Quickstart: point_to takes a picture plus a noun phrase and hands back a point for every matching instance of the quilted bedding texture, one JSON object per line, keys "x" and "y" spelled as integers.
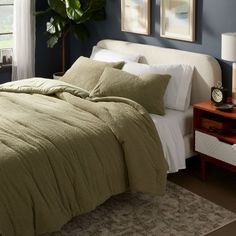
{"x": 62, "y": 154}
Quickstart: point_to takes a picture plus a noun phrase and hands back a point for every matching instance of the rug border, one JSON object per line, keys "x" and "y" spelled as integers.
{"x": 219, "y": 227}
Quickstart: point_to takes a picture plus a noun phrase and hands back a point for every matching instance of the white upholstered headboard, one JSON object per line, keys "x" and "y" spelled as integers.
{"x": 207, "y": 70}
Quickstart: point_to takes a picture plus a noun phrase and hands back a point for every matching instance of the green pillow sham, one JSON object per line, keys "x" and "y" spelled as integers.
{"x": 86, "y": 72}
{"x": 147, "y": 90}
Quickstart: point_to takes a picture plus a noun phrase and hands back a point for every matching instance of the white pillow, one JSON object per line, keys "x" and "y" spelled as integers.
{"x": 178, "y": 92}
{"x": 102, "y": 54}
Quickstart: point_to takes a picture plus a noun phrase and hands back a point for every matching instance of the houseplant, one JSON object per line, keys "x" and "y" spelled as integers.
{"x": 67, "y": 16}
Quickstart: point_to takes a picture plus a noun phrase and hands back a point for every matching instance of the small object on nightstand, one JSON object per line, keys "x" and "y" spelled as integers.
{"x": 219, "y": 94}
{"x": 225, "y": 107}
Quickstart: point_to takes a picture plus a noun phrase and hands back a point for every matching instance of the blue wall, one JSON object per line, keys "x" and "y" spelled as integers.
{"x": 48, "y": 60}
{"x": 212, "y": 18}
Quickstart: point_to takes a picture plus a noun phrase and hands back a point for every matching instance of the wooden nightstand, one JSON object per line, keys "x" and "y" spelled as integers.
{"x": 213, "y": 145}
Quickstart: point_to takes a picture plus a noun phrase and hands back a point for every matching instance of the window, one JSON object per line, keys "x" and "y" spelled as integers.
{"x": 6, "y": 28}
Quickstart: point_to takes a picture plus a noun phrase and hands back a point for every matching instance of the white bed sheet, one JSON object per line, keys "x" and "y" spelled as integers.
{"x": 172, "y": 127}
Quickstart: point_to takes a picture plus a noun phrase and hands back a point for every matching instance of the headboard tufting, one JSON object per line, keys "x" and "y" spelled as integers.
{"x": 207, "y": 70}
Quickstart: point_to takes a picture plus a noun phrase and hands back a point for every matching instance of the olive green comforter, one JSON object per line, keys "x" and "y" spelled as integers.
{"x": 62, "y": 155}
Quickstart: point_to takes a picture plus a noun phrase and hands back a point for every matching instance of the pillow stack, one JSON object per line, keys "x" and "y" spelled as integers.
{"x": 145, "y": 84}
{"x": 178, "y": 92}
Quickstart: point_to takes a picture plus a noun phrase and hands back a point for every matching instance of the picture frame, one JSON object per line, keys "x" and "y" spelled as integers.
{"x": 135, "y": 16}
{"x": 177, "y": 19}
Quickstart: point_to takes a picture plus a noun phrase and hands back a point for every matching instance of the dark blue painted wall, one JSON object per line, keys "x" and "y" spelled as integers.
{"x": 47, "y": 60}
{"x": 212, "y": 18}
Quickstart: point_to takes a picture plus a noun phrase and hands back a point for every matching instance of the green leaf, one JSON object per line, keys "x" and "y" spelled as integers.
{"x": 56, "y": 24}
{"x": 50, "y": 28}
{"x": 81, "y": 32}
{"x": 85, "y": 17}
{"x": 74, "y": 10}
{"x": 58, "y": 6}
{"x": 52, "y": 41}
{"x": 95, "y": 10}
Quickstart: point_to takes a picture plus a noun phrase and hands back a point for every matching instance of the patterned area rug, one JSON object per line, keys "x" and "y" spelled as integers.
{"x": 179, "y": 212}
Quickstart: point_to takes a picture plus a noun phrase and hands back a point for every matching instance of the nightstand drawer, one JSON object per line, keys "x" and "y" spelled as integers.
{"x": 213, "y": 147}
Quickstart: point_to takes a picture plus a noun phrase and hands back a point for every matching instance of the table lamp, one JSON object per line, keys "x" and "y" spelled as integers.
{"x": 228, "y": 53}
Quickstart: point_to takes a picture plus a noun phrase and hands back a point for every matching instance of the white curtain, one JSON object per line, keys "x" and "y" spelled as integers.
{"x": 23, "y": 65}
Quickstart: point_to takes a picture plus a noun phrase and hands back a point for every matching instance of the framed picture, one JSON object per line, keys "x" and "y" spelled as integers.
{"x": 178, "y": 19}
{"x": 135, "y": 16}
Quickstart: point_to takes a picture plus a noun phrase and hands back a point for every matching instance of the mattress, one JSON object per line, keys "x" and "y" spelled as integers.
{"x": 173, "y": 128}
{"x": 183, "y": 119}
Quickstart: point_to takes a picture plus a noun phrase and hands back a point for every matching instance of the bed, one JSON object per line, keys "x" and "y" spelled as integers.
{"x": 207, "y": 73}
{"x": 63, "y": 154}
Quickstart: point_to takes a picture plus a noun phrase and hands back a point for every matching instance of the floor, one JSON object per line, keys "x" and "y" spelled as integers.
{"x": 219, "y": 187}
